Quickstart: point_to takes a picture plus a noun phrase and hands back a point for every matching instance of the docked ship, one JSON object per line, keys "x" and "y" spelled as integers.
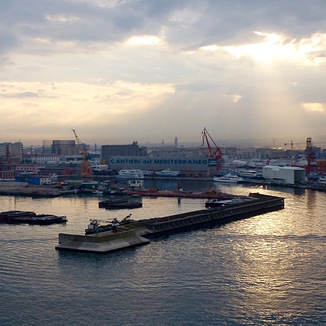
{"x": 168, "y": 173}
{"x": 322, "y": 180}
{"x": 228, "y": 178}
{"x": 130, "y": 174}
{"x": 250, "y": 174}
{"x": 119, "y": 204}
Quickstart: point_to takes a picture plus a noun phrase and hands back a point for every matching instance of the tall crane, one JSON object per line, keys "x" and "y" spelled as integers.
{"x": 85, "y": 167}
{"x": 214, "y": 152}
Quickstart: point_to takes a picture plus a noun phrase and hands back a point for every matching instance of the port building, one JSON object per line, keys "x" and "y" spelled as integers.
{"x": 284, "y": 175}
{"x": 191, "y": 166}
{"x": 190, "y": 162}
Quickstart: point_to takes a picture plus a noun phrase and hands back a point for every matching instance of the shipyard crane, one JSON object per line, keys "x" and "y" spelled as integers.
{"x": 310, "y": 151}
{"x": 291, "y": 143}
{"x": 85, "y": 167}
{"x": 214, "y": 152}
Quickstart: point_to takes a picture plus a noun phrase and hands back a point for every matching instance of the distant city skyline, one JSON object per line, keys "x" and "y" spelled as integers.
{"x": 119, "y": 71}
{"x": 223, "y": 143}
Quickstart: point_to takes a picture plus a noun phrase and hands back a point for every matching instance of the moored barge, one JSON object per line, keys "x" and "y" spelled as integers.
{"x": 27, "y": 217}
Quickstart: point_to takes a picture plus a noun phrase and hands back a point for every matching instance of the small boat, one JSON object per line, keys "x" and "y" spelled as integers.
{"x": 147, "y": 173}
{"x": 94, "y": 226}
{"x": 222, "y": 202}
{"x": 228, "y": 178}
{"x": 168, "y": 173}
{"x": 217, "y": 202}
{"x": 130, "y": 174}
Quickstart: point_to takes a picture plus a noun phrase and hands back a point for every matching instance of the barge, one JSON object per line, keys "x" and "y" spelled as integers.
{"x": 139, "y": 232}
{"x": 119, "y": 204}
{"x": 27, "y": 217}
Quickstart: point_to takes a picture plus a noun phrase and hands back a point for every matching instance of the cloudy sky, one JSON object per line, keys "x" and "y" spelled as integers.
{"x": 148, "y": 70}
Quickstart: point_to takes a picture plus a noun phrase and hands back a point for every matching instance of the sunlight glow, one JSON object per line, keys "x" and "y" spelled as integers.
{"x": 236, "y": 98}
{"x": 144, "y": 40}
{"x": 71, "y": 100}
{"x": 272, "y": 47}
{"x": 276, "y": 47}
{"x": 314, "y": 107}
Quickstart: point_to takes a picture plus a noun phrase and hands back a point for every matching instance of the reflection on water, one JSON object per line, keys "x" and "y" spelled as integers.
{"x": 268, "y": 269}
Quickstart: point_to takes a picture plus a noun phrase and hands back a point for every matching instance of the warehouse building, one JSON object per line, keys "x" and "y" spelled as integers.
{"x": 190, "y": 166}
{"x": 284, "y": 175}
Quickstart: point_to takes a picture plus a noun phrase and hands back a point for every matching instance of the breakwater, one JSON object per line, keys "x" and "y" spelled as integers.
{"x": 257, "y": 204}
{"x": 136, "y": 232}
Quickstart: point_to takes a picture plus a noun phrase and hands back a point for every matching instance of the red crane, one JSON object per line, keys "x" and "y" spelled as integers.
{"x": 214, "y": 152}
{"x": 85, "y": 167}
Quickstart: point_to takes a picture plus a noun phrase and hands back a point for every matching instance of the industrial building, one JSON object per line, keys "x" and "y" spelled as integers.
{"x": 284, "y": 175}
{"x": 60, "y": 147}
{"x": 191, "y": 166}
{"x": 108, "y": 151}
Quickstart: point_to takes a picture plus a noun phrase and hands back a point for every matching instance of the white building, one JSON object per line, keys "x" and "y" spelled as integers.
{"x": 286, "y": 174}
{"x": 46, "y": 159}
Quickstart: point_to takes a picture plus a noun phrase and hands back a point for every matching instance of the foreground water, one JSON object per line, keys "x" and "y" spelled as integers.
{"x": 269, "y": 269}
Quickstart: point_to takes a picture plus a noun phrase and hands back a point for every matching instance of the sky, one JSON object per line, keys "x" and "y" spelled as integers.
{"x": 119, "y": 71}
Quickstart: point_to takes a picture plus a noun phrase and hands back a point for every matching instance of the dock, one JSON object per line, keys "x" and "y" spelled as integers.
{"x": 101, "y": 242}
{"x": 139, "y": 232}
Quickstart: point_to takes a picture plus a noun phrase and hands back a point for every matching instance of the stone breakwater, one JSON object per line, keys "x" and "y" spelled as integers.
{"x": 138, "y": 232}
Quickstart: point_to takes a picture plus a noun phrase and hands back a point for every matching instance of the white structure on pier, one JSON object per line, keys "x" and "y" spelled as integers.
{"x": 284, "y": 175}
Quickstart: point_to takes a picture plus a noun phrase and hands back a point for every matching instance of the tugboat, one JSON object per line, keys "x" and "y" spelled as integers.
{"x": 95, "y": 227}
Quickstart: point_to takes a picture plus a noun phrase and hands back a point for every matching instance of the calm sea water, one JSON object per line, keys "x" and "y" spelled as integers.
{"x": 265, "y": 270}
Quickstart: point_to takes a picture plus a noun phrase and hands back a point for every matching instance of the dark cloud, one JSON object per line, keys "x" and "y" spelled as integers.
{"x": 209, "y": 21}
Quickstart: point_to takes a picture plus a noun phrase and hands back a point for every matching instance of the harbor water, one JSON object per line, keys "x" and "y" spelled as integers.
{"x": 264, "y": 270}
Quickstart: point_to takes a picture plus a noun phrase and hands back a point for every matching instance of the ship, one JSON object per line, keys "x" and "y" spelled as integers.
{"x": 228, "y": 178}
{"x": 168, "y": 173}
{"x": 130, "y": 174}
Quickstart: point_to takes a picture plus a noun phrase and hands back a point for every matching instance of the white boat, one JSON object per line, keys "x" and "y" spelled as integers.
{"x": 228, "y": 178}
{"x": 168, "y": 173}
{"x": 147, "y": 173}
{"x": 250, "y": 174}
{"x": 322, "y": 180}
{"x": 130, "y": 174}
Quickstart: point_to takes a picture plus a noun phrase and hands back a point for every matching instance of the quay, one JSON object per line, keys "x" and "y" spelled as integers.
{"x": 139, "y": 232}
{"x": 28, "y": 190}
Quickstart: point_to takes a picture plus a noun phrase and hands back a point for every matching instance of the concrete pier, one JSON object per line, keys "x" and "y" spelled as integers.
{"x": 102, "y": 242}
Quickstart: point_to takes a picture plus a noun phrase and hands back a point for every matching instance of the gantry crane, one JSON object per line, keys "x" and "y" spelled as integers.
{"x": 214, "y": 152}
{"x": 85, "y": 167}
